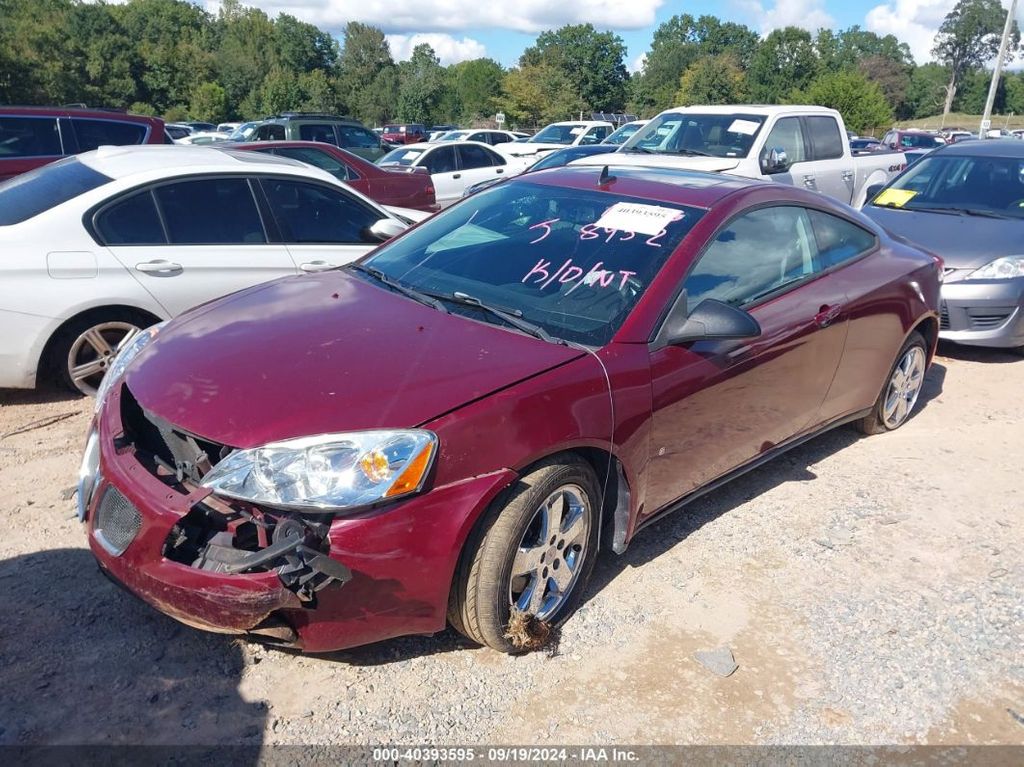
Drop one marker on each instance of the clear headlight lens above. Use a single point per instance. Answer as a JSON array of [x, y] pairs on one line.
[[329, 472], [1005, 268], [126, 352]]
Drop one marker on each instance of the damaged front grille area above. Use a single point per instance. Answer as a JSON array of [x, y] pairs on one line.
[[229, 537]]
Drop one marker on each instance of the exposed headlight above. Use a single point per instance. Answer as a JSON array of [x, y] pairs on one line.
[[1005, 268], [127, 351], [329, 472]]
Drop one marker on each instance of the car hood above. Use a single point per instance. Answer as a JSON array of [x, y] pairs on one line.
[[325, 353], [963, 242], [706, 164]]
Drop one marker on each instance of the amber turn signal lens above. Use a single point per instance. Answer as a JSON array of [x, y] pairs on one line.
[[410, 479]]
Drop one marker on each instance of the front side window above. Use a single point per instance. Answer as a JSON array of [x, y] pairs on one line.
[[29, 137], [35, 192], [826, 140], [324, 133], [131, 221], [788, 136], [310, 213], [573, 261], [211, 211], [92, 134], [441, 160], [756, 254], [839, 240]]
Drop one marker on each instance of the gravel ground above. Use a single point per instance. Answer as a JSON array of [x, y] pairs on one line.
[[870, 590]]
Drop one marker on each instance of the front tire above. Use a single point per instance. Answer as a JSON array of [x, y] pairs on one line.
[[533, 552], [902, 389]]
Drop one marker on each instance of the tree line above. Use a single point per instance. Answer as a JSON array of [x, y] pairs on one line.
[[174, 59]]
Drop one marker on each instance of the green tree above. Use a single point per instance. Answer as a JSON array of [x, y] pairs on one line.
[[785, 61], [926, 94], [279, 92], [969, 37], [860, 101], [712, 80], [246, 54], [592, 62], [476, 85], [209, 103], [847, 48], [892, 79], [142, 108], [367, 81], [420, 85], [1015, 93], [303, 47], [534, 95], [316, 92]]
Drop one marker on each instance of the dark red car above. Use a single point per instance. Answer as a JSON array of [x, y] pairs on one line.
[[399, 188], [34, 136], [404, 133], [454, 428]]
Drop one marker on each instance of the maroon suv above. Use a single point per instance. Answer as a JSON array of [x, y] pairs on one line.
[[406, 133], [455, 428], [34, 136]]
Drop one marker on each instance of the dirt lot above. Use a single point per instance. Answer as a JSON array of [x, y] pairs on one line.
[[871, 590]]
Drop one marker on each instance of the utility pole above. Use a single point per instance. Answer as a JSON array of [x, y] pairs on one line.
[[986, 119]]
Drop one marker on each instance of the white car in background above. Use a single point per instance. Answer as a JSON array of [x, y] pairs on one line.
[[99, 245], [559, 135], [453, 165], [483, 135]]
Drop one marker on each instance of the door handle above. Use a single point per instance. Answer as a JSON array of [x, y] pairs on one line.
[[847, 175], [457, 175], [167, 268], [808, 180], [316, 266], [827, 315], [500, 170]]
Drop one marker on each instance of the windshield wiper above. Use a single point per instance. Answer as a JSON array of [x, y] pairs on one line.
[[983, 213], [955, 211], [641, 149], [510, 317], [693, 153], [405, 290]]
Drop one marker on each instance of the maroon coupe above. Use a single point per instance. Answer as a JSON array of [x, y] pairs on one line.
[[456, 427]]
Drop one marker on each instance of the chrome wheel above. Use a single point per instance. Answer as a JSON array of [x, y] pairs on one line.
[[551, 553], [94, 351], [904, 387]]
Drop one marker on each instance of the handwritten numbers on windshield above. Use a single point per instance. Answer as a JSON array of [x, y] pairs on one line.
[[546, 226], [594, 232]]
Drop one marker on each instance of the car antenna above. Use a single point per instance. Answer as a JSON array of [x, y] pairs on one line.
[[605, 177]]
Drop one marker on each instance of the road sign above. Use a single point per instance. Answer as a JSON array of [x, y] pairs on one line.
[[500, 118], [986, 124]]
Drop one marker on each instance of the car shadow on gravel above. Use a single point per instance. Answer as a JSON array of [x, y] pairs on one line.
[[977, 354], [83, 662], [40, 396]]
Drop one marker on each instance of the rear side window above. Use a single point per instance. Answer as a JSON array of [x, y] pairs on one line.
[[131, 221], [826, 141], [310, 213], [318, 132], [474, 156], [29, 137], [211, 211], [30, 194], [273, 132], [93, 134], [839, 241]]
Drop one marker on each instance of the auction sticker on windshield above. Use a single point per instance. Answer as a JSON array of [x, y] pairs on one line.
[[896, 198], [636, 217], [746, 127]]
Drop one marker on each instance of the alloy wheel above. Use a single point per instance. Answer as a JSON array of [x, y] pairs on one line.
[[904, 387], [94, 351]]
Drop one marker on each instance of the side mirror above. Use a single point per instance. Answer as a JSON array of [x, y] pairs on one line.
[[778, 160], [386, 228], [873, 191], [711, 319]]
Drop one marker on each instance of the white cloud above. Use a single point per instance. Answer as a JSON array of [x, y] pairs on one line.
[[806, 14], [457, 15], [449, 49], [637, 64], [914, 22]]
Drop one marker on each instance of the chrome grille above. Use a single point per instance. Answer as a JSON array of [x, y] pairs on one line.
[[117, 521], [987, 319]]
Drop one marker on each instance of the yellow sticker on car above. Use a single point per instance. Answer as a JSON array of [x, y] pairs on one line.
[[897, 198]]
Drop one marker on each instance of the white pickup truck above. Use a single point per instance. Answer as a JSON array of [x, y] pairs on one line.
[[799, 145]]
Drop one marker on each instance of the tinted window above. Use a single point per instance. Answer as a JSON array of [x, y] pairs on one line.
[[358, 137], [838, 239], [211, 211], [312, 213], [757, 253], [499, 138], [270, 133], [787, 136], [29, 194], [539, 250], [132, 221], [29, 137], [474, 156], [318, 159], [315, 132], [825, 138], [441, 160], [93, 134]]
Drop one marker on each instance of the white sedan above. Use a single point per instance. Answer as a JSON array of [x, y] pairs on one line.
[[453, 165], [558, 135], [99, 245], [484, 136]]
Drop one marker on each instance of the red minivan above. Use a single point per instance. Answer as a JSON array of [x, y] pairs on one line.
[[34, 136], [407, 133]]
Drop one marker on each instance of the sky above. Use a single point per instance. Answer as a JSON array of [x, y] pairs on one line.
[[469, 29]]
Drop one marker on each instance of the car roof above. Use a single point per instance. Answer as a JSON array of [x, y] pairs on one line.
[[1010, 148], [767, 110], [672, 185], [101, 114], [248, 146], [119, 162]]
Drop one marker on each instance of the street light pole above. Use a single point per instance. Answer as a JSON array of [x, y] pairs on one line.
[[986, 119]]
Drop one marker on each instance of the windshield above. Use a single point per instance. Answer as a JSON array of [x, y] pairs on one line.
[[560, 157], [562, 259], [30, 194], [723, 135], [623, 134], [243, 131], [401, 156], [959, 183], [454, 135], [558, 134], [919, 140]]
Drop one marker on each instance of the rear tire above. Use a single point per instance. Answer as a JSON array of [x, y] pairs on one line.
[[896, 402], [535, 548], [83, 349]]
